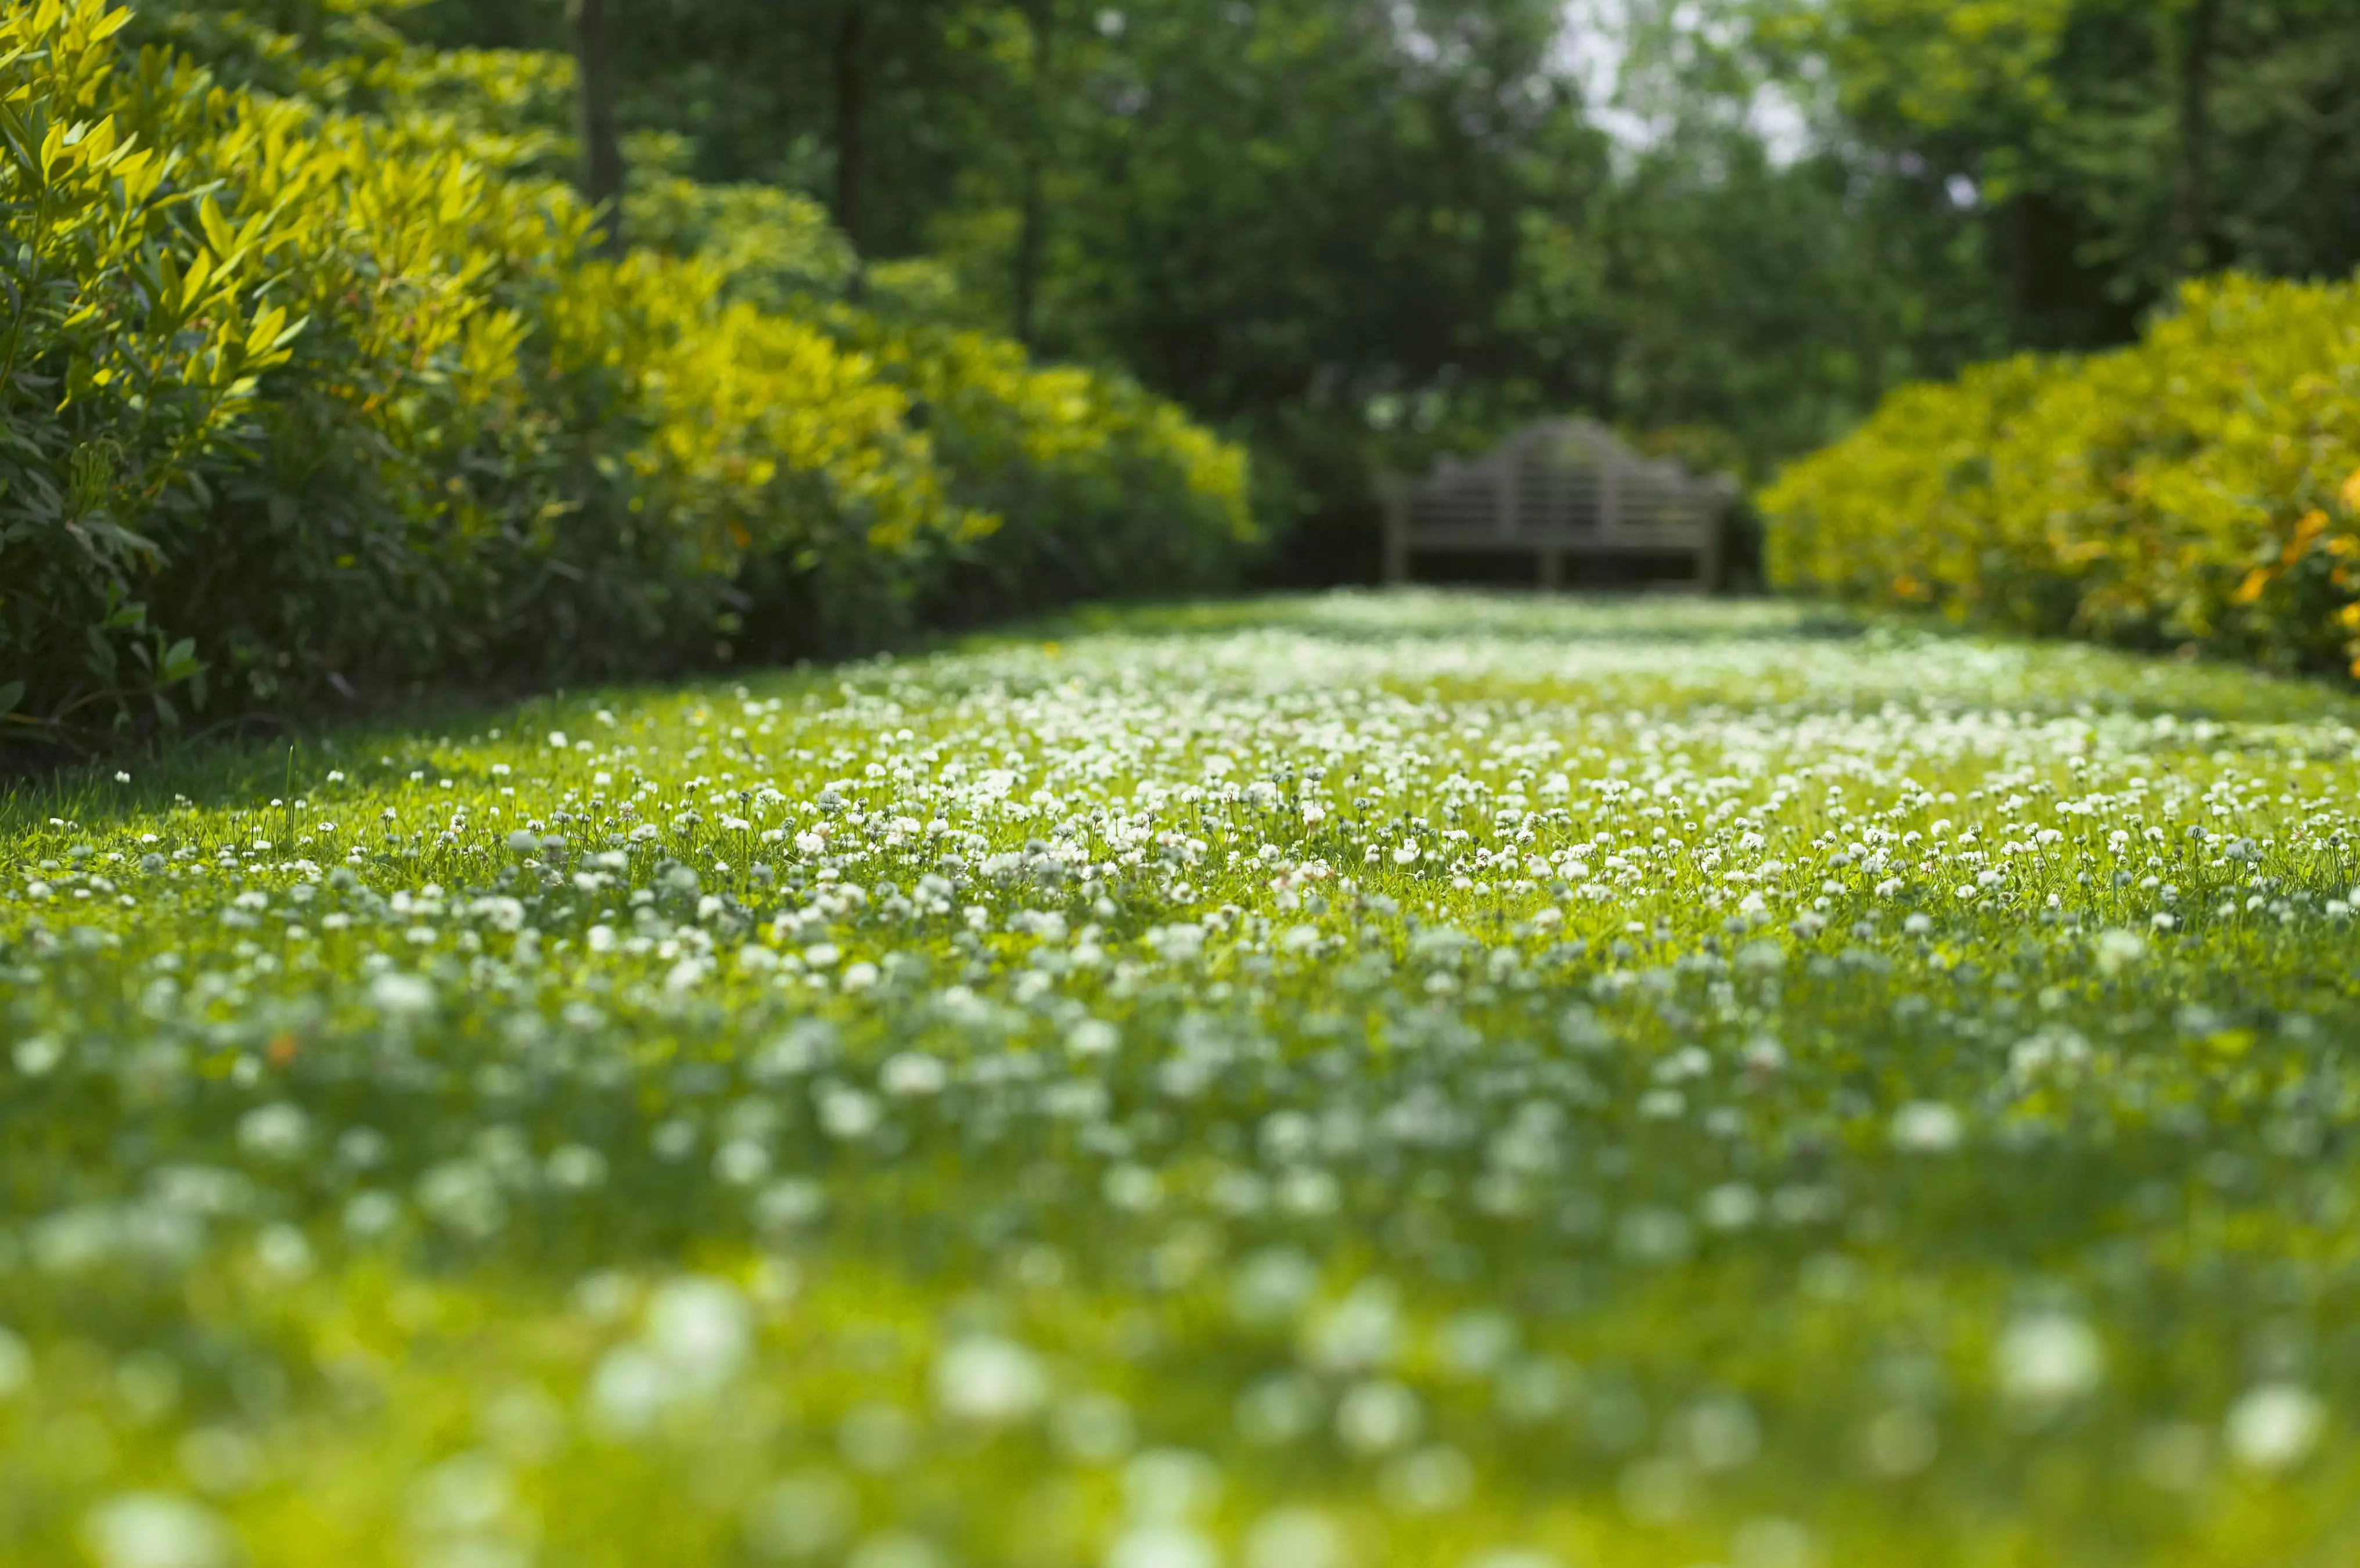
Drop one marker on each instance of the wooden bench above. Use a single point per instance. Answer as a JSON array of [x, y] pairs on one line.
[[1557, 490]]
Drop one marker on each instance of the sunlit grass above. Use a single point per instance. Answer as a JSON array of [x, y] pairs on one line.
[[1429, 1079]]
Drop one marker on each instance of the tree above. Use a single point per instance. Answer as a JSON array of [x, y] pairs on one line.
[[851, 123], [602, 148], [2110, 148], [1035, 146]]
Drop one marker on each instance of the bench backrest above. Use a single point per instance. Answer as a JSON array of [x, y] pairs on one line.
[[1557, 488]]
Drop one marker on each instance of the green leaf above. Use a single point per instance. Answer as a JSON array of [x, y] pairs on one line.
[[11, 694]]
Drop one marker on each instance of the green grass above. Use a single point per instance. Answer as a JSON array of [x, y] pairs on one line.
[[1321, 1083]]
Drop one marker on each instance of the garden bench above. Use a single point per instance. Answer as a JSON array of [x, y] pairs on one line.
[[1559, 490]]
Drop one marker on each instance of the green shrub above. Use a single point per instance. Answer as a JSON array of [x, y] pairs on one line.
[[300, 399], [2200, 487], [1097, 488], [1091, 485]]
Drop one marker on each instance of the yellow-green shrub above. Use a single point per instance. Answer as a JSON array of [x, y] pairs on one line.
[[1074, 482], [2202, 487], [1097, 488], [296, 398]]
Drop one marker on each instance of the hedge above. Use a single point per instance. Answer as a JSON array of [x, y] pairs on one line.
[[299, 399], [2199, 488]]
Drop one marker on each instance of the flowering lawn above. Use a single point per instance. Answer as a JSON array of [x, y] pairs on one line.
[[1423, 1080]]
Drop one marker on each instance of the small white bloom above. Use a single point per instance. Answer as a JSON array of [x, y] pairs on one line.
[[157, 1530], [2048, 1359], [278, 1132], [2118, 949], [1927, 1126], [399, 995], [2275, 1426], [989, 1380]]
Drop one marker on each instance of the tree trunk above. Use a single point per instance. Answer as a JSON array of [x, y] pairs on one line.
[[2019, 217], [2192, 223], [851, 106], [1032, 212], [602, 149]]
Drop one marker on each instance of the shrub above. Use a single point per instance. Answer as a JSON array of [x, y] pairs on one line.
[[2200, 487], [1098, 487], [298, 399], [1087, 486]]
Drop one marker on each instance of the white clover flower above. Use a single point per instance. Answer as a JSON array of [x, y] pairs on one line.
[[280, 1132], [913, 1073], [802, 1516], [2275, 1426], [1928, 1128], [1378, 1416], [628, 1390], [1093, 1037], [157, 1530], [399, 995], [701, 1329], [849, 1114], [2118, 949], [989, 1380], [2048, 1359], [576, 1168]]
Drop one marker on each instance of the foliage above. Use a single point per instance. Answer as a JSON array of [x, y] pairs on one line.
[[1095, 482], [1278, 214], [2106, 150], [2202, 487], [300, 399], [1352, 241], [1374, 1082], [771, 247], [1352, 236]]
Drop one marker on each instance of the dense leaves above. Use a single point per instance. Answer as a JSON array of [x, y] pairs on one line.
[[2202, 488], [299, 400], [1350, 234]]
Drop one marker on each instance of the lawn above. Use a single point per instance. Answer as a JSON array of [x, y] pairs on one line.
[[1327, 1083]]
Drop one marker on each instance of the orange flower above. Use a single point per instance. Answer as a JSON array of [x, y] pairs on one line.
[[2251, 589]]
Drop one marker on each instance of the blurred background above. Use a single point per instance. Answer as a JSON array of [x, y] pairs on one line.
[[378, 346], [1351, 231]]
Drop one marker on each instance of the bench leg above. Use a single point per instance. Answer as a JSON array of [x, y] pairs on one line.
[[1551, 571]]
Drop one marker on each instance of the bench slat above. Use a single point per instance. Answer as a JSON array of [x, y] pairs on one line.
[[1559, 490]]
